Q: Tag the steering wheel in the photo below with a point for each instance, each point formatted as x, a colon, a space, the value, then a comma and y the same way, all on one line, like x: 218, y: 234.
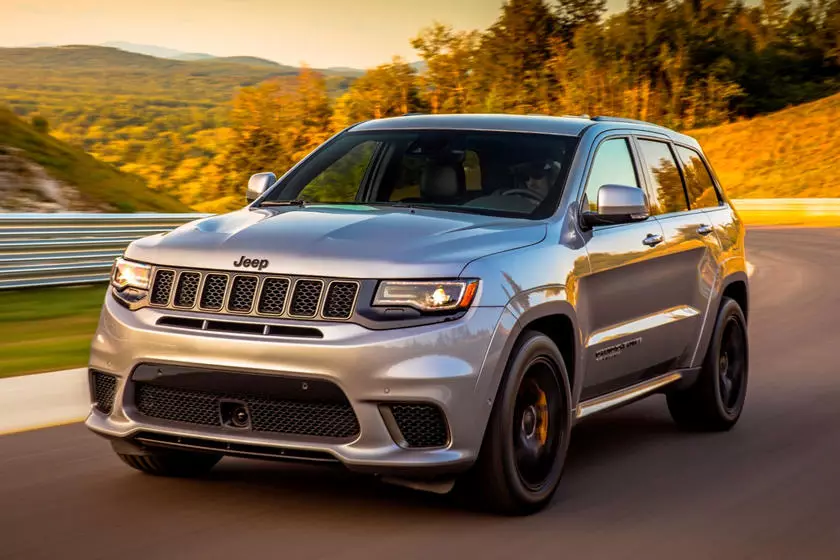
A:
x: 524, y: 192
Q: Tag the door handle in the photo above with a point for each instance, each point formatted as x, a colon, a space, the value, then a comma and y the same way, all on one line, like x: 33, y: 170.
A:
x: 704, y: 229
x: 653, y: 239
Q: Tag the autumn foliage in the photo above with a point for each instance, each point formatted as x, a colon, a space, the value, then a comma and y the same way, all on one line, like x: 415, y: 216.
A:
x: 687, y: 64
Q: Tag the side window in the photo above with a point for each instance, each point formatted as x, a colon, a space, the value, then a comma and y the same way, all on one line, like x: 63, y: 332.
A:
x: 698, y: 181
x: 340, y: 181
x: 668, y: 192
x: 613, y: 165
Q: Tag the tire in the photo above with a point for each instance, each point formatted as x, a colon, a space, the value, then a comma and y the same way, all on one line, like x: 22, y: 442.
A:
x: 172, y: 463
x: 715, y: 401
x: 498, y: 482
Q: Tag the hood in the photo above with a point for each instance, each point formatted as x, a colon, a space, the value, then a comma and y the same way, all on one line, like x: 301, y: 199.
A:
x: 339, y: 241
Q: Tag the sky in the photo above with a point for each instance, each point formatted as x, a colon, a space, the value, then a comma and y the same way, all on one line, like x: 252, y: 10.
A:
x: 320, y: 33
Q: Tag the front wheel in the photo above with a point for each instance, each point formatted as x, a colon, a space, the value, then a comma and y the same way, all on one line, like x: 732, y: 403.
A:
x: 715, y: 401
x: 527, y: 437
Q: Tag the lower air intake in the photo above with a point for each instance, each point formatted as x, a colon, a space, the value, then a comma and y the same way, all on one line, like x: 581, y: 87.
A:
x: 267, y: 414
x: 421, y: 425
x: 104, y: 391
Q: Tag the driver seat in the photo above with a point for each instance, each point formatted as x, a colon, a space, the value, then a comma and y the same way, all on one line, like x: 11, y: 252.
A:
x: 443, y: 183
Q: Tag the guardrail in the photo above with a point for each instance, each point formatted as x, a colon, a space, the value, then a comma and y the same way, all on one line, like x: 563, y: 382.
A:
x: 63, y: 249
x: 72, y: 248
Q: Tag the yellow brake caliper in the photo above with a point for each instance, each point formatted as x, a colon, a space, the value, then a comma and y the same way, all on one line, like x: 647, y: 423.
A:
x: 542, y: 417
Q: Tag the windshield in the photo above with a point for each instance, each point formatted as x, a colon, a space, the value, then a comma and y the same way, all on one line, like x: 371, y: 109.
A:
x: 499, y: 173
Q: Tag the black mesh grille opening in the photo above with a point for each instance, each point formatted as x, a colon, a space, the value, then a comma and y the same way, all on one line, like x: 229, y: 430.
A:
x: 340, y: 299
x: 213, y: 294
x: 306, y: 297
x: 104, y: 391
x: 273, y: 296
x: 242, y: 293
x: 187, y: 290
x: 316, y: 419
x: 421, y: 425
x: 162, y: 288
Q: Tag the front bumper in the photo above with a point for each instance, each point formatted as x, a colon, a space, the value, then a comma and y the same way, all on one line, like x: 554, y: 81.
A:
x: 454, y: 366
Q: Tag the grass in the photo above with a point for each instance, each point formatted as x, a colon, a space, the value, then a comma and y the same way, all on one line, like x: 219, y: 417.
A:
x: 791, y: 153
x: 47, y: 329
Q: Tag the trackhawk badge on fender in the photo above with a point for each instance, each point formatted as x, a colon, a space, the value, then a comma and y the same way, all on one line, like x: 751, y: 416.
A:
x: 259, y: 264
x: 613, y: 351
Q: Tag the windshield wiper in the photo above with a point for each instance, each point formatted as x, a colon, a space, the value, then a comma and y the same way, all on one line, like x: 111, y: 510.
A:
x: 295, y: 202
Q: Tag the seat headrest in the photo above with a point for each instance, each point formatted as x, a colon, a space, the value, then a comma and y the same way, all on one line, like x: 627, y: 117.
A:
x: 442, y: 181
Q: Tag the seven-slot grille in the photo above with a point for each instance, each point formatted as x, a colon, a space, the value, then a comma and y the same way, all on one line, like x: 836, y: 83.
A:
x: 254, y: 294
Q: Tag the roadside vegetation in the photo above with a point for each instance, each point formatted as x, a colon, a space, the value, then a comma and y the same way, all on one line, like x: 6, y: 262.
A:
x: 197, y: 129
x: 47, y: 329
x: 98, y: 185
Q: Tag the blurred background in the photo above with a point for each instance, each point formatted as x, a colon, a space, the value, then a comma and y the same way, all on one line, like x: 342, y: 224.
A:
x: 127, y: 108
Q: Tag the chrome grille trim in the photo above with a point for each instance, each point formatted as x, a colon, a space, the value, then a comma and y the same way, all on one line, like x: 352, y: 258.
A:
x: 254, y: 311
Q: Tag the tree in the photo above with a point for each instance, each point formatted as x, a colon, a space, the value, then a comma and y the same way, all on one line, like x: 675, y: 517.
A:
x: 513, y: 55
x: 385, y: 91
x: 446, y: 85
x: 275, y: 124
x: 571, y: 14
x: 40, y: 124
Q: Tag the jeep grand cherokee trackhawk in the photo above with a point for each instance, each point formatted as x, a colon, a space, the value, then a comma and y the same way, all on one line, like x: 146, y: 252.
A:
x: 437, y: 300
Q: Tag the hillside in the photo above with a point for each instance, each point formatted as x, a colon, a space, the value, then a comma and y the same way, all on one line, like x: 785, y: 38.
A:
x: 39, y: 172
x: 792, y: 153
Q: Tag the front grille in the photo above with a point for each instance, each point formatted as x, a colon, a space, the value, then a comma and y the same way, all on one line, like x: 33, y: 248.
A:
x: 104, y: 391
x: 421, y: 425
x: 255, y: 294
x: 340, y: 299
x: 268, y: 414
x: 163, y: 287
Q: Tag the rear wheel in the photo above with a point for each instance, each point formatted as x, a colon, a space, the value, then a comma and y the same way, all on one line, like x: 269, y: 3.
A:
x: 527, y: 437
x: 172, y: 463
x: 715, y: 401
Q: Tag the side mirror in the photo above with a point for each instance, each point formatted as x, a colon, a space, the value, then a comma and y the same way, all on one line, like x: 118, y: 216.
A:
x: 618, y: 204
x: 258, y: 183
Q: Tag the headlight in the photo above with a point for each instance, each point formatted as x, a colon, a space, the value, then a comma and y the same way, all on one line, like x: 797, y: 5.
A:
x: 427, y: 295
x: 128, y: 274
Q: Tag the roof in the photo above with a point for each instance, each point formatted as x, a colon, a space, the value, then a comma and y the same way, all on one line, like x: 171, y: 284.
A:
x: 543, y: 124
x: 568, y: 126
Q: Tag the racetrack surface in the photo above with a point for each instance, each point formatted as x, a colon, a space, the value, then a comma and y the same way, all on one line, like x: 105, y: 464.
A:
x: 634, y: 487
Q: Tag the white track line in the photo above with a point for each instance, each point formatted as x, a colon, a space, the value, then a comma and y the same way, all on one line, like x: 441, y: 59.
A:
x: 750, y: 268
x: 45, y: 399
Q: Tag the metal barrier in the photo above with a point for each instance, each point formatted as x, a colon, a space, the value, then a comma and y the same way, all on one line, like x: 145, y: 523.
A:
x: 77, y: 248
x: 62, y: 249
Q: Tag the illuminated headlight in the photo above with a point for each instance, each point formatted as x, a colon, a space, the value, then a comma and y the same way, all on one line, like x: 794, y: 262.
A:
x: 128, y: 274
x: 427, y: 295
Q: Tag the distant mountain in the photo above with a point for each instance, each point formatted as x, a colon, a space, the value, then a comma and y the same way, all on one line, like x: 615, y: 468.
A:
x: 344, y: 71
x: 154, y: 50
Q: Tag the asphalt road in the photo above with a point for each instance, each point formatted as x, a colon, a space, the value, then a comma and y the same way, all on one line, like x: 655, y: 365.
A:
x: 634, y: 486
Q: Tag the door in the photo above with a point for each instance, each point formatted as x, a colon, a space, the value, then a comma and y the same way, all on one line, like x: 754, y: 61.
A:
x: 690, y: 246
x: 619, y: 306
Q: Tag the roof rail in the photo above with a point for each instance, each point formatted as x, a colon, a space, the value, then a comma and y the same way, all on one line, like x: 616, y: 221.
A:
x: 602, y: 118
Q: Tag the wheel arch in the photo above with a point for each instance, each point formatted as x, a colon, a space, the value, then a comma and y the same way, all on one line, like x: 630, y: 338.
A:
x: 735, y: 286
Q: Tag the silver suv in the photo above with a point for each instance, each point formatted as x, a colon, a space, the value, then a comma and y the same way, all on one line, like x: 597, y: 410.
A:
x: 437, y: 300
